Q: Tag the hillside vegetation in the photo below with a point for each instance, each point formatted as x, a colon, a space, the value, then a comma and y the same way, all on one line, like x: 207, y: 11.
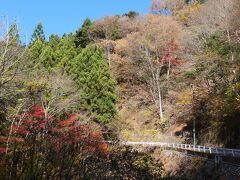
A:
x: 123, y: 77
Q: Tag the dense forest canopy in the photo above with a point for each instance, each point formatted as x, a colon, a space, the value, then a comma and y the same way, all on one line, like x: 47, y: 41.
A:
x: 122, y: 77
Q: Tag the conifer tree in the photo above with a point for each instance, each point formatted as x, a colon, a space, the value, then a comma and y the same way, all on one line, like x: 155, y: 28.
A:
x: 38, y: 33
x: 34, y: 51
x: 46, y: 58
x: 97, y: 87
x: 36, y: 46
x: 53, y: 41
x: 82, y: 39
x: 65, y: 51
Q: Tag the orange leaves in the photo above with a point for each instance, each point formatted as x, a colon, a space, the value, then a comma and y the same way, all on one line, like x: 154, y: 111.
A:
x: 66, y: 123
x: 103, y: 147
x: 96, y: 141
x: 96, y: 134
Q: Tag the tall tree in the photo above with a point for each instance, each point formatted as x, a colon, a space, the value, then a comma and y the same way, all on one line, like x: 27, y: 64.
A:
x: 36, y: 46
x: 154, y: 49
x: 34, y: 52
x: 65, y: 51
x: 11, y: 58
x: 53, y: 41
x: 97, y: 87
x: 38, y: 33
x: 46, y: 58
x: 82, y: 38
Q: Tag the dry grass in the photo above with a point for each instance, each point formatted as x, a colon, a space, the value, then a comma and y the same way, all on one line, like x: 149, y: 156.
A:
x: 138, y: 120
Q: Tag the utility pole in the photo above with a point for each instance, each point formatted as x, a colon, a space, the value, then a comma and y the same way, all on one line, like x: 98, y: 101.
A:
x: 194, y: 133
x: 194, y: 122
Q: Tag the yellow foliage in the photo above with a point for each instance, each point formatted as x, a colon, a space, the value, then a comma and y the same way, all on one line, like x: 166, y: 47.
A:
x: 185, y: 97
x: 34, y: 86
x: 121, y: 46
x: 126, y: 134
x: 149, y: 132
x: 186, y: 13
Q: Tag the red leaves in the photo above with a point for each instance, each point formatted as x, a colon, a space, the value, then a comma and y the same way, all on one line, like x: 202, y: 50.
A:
x: 169, y: 54
x: 37, y: 112
x: 4, y: 140
x: 20, y: 130
x: 66, y: 123
x: 2, y: 150
x: 71, y: 132
x: 58, y: 135
x: 32, y: 122
x: 172, y: 60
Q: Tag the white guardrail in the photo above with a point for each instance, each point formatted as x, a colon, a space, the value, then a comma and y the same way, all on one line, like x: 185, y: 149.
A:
x: 202, y: 149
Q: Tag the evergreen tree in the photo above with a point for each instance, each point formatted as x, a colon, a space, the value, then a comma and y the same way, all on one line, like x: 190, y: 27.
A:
x: 46, y: 58
x: 82, y: 39
x: 65, y: 51
x: 34, y: 52
x: 97, y: 87
x: 38, y: 33
x: 36, y: 46
x: 53, y: 41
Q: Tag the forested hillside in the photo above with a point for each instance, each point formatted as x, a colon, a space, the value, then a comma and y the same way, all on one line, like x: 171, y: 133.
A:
x: 137, y: 77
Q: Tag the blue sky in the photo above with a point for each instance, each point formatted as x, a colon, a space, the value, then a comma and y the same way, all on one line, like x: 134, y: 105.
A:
x: 60, y: 16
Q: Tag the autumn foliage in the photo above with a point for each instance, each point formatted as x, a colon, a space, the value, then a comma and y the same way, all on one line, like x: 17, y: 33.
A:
x: 169, y: 53
x: 36, y: 142
x: 51, y: 148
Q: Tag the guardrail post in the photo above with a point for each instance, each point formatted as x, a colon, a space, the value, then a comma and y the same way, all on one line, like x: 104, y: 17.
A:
x: 204, y: 149
x: 210, y: 149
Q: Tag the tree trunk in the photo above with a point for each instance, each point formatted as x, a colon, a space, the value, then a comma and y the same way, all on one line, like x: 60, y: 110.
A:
x: 159, y: 95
